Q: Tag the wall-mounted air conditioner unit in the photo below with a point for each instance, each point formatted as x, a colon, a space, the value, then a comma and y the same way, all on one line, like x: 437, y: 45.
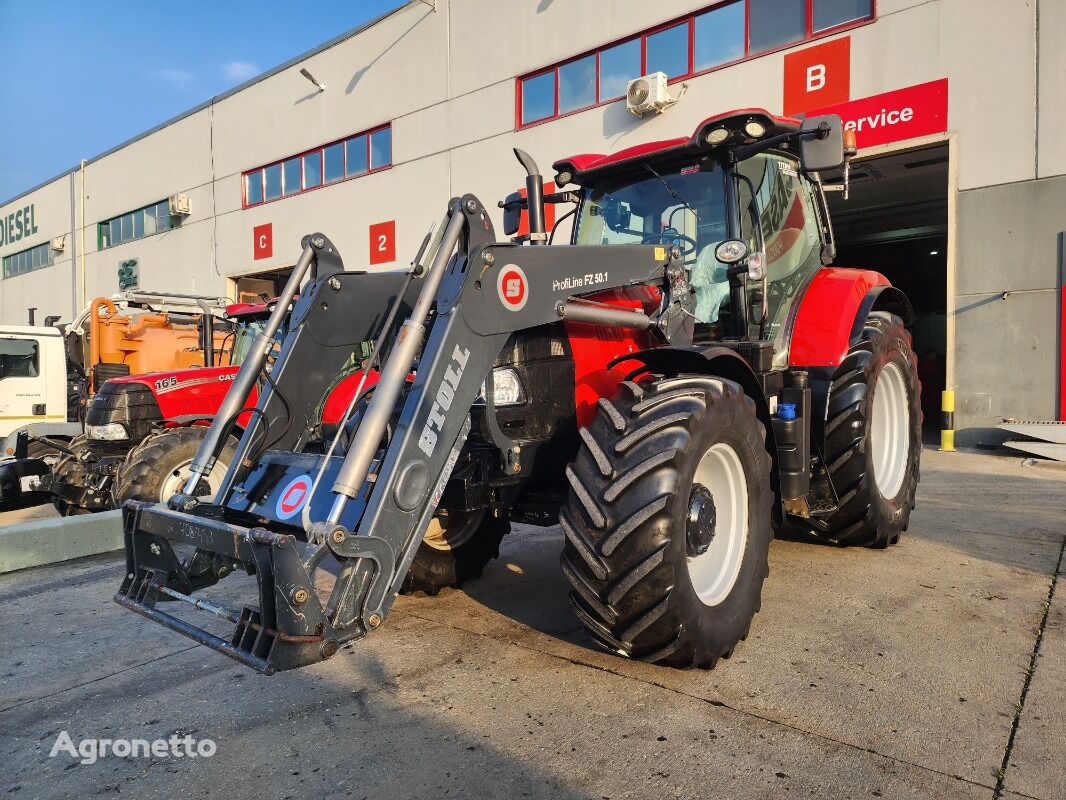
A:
x: 648, y: 93
x: 179, y: 204
x: 59, y: 244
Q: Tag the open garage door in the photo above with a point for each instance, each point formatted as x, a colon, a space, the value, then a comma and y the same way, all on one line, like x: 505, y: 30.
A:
x: 896, y: 222
x: 260, y: 286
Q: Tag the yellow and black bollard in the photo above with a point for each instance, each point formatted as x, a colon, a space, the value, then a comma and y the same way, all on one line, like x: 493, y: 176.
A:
x: 947, y: 424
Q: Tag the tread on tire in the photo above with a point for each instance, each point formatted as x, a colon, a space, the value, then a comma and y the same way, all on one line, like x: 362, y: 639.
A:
x: 625, y: 551
x: 864, y: 517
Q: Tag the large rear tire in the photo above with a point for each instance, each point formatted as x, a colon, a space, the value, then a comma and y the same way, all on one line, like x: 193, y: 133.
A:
x: 158, y: 467
x: 456, y: 548
x: 668, y: 522
x: 873, y: 437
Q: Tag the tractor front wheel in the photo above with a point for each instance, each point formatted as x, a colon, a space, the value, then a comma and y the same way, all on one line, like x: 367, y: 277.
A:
x: 158, y: 467
x: 45, y: 452
x: 457, y: 545
x: 668, y: 522
x: 456, y: 548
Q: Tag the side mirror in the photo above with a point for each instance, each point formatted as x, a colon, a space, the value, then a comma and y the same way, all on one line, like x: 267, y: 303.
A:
x: 512, y: 206
x: 826, y: 150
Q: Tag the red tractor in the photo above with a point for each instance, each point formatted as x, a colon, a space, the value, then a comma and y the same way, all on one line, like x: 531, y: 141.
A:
x: 142, y: 431
x: 681, y: 380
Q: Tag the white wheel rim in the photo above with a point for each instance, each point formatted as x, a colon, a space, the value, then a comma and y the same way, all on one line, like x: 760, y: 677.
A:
x: 179, y: 476
x: 890, y: 430
x: 450, y: 531
x: 714, y: 572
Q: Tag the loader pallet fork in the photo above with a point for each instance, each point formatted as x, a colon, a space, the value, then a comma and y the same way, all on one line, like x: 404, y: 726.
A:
x: 283, y: 632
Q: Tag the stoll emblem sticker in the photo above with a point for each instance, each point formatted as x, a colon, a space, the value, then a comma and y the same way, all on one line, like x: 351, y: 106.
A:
x: 293, y: 497
x: 513, y: 287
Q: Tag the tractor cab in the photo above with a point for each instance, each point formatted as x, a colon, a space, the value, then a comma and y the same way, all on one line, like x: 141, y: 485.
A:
x: 739, y: 200
x: 249, y: 319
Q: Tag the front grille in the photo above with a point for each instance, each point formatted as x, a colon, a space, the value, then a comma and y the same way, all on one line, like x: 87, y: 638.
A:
x: 131, y: 404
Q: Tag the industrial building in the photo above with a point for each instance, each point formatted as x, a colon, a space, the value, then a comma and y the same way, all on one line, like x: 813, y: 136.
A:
x: 957, y: 195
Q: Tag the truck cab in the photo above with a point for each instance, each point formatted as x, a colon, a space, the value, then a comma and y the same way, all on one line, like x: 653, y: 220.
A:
x: 33, y: 379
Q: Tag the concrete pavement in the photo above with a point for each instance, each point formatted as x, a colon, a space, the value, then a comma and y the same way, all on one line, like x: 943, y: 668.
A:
x: 867, y: 674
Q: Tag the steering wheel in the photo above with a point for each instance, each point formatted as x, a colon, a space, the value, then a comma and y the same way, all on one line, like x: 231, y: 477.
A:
x: 671, y: 236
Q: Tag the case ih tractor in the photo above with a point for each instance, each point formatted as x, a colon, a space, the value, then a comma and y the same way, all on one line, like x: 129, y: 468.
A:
x: 142, y: 431
x: 148, y: 421
x: 683, y: 378
x: 59, y: 368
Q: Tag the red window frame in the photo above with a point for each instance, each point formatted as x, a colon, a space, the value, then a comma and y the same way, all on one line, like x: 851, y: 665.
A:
x: 809, y: 35
x: 321, y: 151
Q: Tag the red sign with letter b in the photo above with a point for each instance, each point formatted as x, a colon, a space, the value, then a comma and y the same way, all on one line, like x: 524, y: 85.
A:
x: 818, y: 76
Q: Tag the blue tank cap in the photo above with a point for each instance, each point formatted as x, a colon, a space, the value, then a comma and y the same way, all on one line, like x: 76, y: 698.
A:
x: 786, y: 410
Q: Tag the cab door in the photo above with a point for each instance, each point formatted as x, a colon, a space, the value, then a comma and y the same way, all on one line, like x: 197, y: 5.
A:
x: 786, y: 228
x: 24, y: 390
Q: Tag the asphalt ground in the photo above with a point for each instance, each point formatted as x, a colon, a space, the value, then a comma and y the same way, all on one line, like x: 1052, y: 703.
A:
x: 934, y: 669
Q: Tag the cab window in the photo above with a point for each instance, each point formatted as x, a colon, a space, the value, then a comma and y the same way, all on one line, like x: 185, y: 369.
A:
x: 19, y: 358
x: 783, y: 223
x: 685, y: 208
x: 244, y: 339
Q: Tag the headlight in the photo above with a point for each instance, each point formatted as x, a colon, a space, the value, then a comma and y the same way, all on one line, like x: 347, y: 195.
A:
x: 755, y: 129
x: 730, y: 251
x: 506, y: 388
x: 717, y: 136
x: 112, y: 432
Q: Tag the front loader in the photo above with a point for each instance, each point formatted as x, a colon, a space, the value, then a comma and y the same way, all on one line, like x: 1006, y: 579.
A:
x: 681, y: 379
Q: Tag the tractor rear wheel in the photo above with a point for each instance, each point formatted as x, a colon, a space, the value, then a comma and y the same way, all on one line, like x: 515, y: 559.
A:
x: 158, y: 467
x: 668, y: 521
x: 873, y: 437
x: 456, y: 548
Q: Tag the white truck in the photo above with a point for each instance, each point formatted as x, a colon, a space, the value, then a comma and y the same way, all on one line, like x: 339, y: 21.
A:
x: 34, y: 383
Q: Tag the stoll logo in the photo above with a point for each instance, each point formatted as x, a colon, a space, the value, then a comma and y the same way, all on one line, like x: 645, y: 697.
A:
x: 293, y: 497
x: 443, y: 401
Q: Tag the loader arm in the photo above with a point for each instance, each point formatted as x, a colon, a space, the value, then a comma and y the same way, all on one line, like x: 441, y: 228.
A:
x: 372, y: 509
